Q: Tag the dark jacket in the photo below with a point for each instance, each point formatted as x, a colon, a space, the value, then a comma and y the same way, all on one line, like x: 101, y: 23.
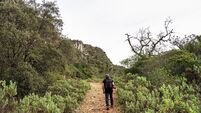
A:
x: 108, y: 89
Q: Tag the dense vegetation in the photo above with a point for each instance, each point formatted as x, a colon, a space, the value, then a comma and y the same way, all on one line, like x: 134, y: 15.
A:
x: 34, y: 53
x: 62, y: 97
x: 168, y: 82
x: 140, y: 95
x: 41, y: 69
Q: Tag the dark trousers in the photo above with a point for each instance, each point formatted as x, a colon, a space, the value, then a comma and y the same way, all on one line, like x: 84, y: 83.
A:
x: 107, y: 96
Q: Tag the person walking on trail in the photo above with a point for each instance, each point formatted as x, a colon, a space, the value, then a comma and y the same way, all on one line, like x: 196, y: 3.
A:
x: 108, y: 86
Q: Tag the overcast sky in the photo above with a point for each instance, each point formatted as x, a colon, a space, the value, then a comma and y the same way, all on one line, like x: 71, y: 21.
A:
x: 103, y: 23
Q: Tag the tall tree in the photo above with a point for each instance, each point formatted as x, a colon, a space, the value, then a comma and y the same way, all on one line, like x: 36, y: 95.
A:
x: 143, y: 44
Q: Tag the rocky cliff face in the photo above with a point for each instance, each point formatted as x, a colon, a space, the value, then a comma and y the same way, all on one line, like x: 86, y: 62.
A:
x: 79, y: 45
x: 94, y: 56
x: 94, y: 60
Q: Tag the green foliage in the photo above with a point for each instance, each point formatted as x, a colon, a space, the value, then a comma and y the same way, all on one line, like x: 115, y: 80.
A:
x: 174, y: 62
x: 33, y: 104
x: 197, y: 69
x: 194, y: 46
x: 7, y: 97
x: 169, y: 82
x: 21, y: 30
x: 70, y: 87
x: 179, y: 61
x: 91, y: 61
x: 26, y: 78
x: 48, y: 58
x: 129, y: 62
x: 64, y: 96
x: 140, y: 96
x: 162, y: 76
x: 47, y: 104
x: 34, y: 54
x: 139, y: 65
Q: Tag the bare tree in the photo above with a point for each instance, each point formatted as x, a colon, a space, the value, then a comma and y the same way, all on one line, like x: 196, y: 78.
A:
x: 143, y: 44
x: 180, y: 42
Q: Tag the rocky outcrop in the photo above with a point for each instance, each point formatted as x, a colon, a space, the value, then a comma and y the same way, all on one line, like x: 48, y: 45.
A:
x: 80, y: 46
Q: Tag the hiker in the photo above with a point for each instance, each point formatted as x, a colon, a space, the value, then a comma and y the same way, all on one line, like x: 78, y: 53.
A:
x: 108, y: 86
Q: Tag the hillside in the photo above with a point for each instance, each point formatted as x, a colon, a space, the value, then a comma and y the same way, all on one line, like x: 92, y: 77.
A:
x: 43, y: 71
x: 93, y: 59
x: 32, y: 48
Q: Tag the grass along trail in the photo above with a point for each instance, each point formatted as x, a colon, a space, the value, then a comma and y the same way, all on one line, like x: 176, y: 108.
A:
x: 94, y: 101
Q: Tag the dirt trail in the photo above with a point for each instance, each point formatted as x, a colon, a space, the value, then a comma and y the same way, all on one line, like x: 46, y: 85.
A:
x: 94, y: 101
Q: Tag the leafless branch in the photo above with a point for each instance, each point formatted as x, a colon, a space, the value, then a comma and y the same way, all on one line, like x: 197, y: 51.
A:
x: 147, y: 45
x: 179, y: 42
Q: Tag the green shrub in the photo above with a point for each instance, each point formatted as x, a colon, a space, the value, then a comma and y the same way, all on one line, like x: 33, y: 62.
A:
x: 71, y: 87
x: 139, y: 95
x: 160, y: 76
x: 64, y: 98
x: 72, y: 90
x: 180, y: 61
x: 7, y: 97
x: 160, y: 68
x: 194, y: 46
x: 27, y: 80
x: 47, y: 104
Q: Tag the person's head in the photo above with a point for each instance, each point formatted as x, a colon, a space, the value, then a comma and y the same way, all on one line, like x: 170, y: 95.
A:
x: 107, y: 76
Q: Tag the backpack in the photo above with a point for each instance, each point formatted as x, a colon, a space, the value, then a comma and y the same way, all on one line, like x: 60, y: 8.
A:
x: 108, y: 83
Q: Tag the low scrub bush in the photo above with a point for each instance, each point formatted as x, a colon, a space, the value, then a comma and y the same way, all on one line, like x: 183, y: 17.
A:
x: 7, y: 97
x: 70, y: 87
x: 47, y: 104
x: 62, y: 97
x: 179, y: 61
x: 138, y: 95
